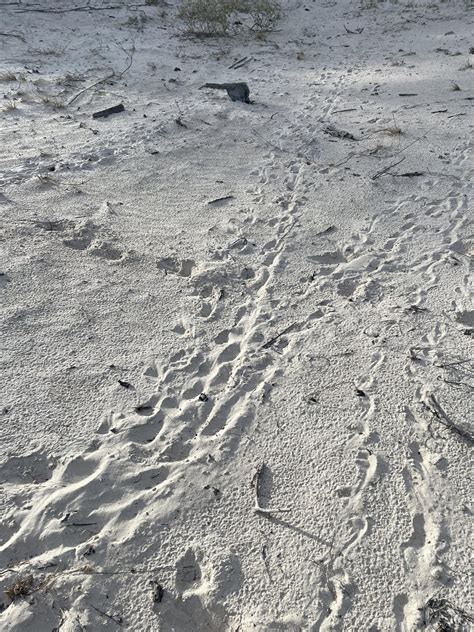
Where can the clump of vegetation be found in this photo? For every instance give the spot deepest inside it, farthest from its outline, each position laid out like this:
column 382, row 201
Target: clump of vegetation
column 446, row 616
column 21, row 588
column 10, row 105
column 7, row 75
column 137, row 21
column 56, row 50
column 264, row 13
column 214, row 17
column 53, row 102
column 46, row 179
column 69, row 79
column 206, row 17
column 467, row 65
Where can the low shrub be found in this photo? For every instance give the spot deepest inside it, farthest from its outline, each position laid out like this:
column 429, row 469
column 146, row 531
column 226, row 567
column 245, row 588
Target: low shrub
column 215, row 17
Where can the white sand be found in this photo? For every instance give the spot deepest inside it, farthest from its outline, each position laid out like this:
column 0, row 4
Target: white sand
column 317, row 278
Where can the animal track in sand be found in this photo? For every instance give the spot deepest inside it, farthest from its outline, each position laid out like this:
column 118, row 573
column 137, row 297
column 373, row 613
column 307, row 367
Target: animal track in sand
column 188, row 572
column 234, row 365
column 181, row 267
column 232, row 375
column 429, row 537
column 355, row 525
column 105, row 250
column 33, row 468
column 328, row 258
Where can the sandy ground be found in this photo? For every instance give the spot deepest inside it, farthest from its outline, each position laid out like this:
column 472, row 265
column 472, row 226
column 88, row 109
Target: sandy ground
column 288, row 445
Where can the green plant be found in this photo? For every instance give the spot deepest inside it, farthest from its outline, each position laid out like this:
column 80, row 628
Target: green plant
column 206, row 17
column 264, row 13
column 213, row 17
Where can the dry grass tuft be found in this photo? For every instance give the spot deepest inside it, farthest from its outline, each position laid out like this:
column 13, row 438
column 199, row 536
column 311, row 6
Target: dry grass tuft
column 51, row 51
column 446, row 616
column 69, row 79
column 264, row 13
column 205, row 17
column 21, row 588
column 10, row 105
column 7, row 75
column 46, row 180
column 52, row 102
column 215, row 17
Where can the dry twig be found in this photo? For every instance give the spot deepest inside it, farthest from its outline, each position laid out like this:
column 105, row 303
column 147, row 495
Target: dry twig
column 431, row 403
column 386, row 169
column 112, row 75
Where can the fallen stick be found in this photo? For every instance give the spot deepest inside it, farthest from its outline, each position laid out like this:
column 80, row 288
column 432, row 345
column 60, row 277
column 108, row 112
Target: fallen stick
column 354, row 154
column 386, row 169
column 237, row 62
column 443, row 366
column 409, row 174
column 432, row 404
column 115, row 109
column 221, row 199
column 400, row 151
column 243, row 63
column 441, row 379
column 82, row 8
column 287, row 231
column 272, row 341
column 80, row 571
column 112, row 75
column 116, row 620
column 13, row 35
column 91, row 86
column 347, row 110
column 329, row 229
